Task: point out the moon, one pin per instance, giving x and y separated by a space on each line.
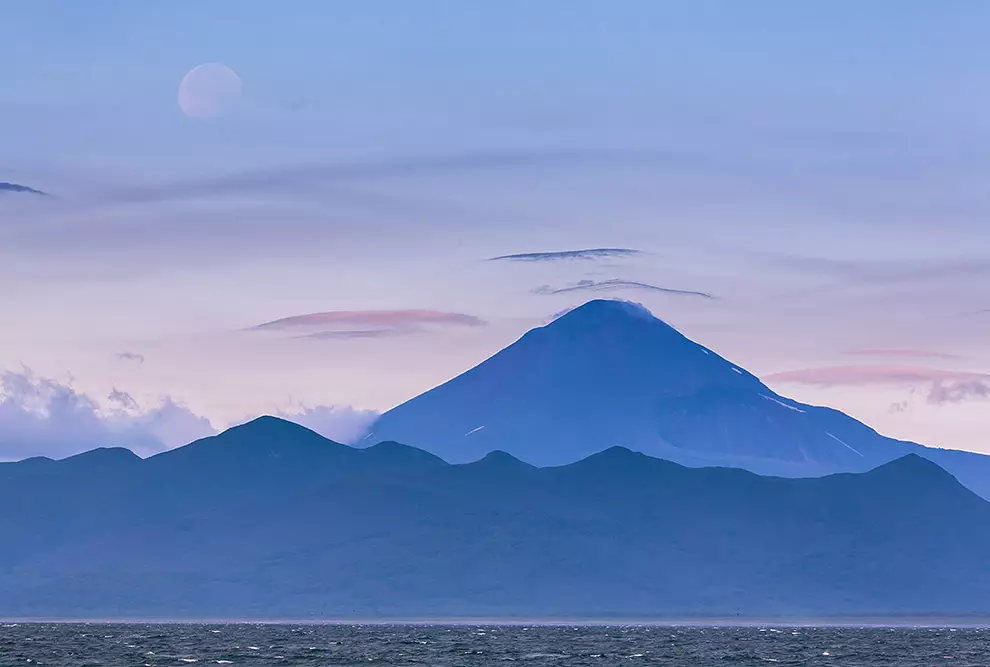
209 90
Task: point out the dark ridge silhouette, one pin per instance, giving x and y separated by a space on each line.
271 520
23 467
912 464
394 452
263 441
101 456
610 373
16 187
501 460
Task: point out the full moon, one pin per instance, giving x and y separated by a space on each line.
208 90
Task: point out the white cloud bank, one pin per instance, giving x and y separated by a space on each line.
340 423
43 417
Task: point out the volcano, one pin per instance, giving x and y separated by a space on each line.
609 373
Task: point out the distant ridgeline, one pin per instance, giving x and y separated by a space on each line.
18 188
270 520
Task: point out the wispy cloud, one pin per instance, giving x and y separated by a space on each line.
901 353
882 271
864 375
956 392
618 284
350 324
130 356
898 407
359 333
377 318
559 255
122 400
16 187
944 386
308 176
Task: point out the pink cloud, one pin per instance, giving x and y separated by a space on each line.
901 353
945 386
865 375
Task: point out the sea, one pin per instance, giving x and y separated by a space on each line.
176 644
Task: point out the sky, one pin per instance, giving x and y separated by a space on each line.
799 186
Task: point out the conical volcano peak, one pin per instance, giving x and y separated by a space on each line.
610 373
604 373
615 320
616 306
609 309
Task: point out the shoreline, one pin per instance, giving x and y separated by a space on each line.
863 622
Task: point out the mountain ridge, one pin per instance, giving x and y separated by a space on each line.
394 532
257 428
17 188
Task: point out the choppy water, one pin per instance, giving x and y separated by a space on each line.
462 645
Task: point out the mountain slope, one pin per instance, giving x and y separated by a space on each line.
394 532
18 188
610 373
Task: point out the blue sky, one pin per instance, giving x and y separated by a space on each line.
820 167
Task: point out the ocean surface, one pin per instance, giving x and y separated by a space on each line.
130 645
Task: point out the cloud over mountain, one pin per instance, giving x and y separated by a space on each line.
43 417
340 423
613 284
559 255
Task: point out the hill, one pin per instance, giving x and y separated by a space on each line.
271 520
